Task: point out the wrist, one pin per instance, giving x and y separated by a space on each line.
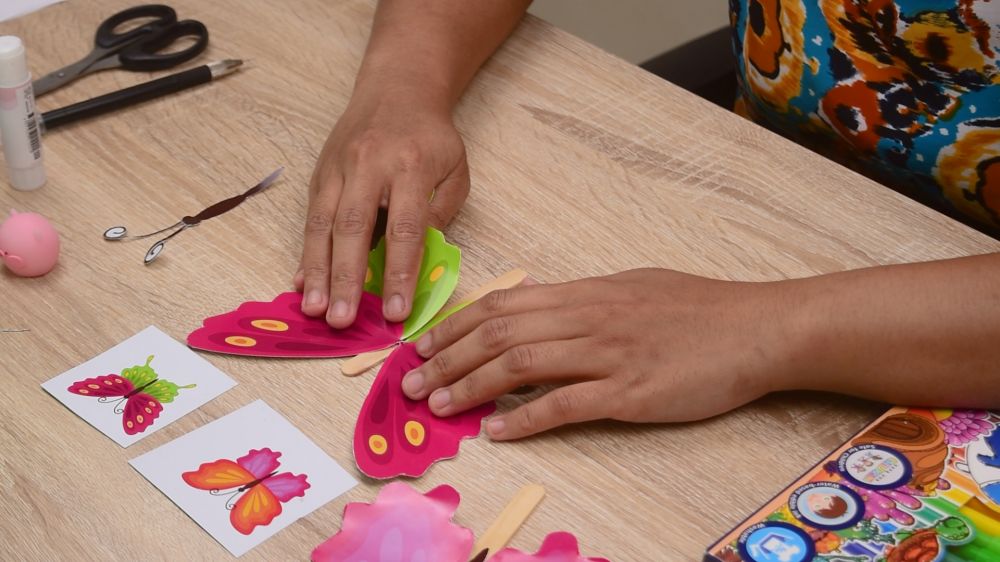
792 312
412 89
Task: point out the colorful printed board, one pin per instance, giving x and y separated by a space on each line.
915 485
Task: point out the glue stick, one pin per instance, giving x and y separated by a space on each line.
22 141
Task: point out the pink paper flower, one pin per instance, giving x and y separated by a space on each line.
402 525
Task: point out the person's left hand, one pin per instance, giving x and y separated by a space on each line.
647 345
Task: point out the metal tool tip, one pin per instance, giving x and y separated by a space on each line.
224 67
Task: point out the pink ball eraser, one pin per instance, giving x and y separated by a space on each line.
29 246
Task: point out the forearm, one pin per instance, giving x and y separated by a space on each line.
429 50
917 334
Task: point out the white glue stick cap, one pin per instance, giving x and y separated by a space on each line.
13 63
27 179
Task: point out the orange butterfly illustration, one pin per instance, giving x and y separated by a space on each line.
259 492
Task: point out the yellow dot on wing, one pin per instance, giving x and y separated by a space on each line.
270 325
368 275
148 410
151 403
241 341
414 432
129 424
109 383
436 273
83 391
92 385
378 444
119 381
139 418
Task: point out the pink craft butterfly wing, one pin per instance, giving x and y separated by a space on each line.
140 411
286 485
401 525
557 547
280 329
396 436
106 385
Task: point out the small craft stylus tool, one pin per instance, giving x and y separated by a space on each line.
118 233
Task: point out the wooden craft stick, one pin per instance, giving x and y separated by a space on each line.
512 278
510 520
364 361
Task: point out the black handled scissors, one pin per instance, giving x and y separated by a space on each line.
136 49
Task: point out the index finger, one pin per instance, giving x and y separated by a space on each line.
494 304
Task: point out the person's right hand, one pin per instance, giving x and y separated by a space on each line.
396 153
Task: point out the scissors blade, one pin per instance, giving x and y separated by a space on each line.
65 75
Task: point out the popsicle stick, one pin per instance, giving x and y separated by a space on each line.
510 279
364 361
510 520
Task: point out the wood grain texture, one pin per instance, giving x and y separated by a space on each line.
581 165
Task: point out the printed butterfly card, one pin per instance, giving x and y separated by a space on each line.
139 386
245 476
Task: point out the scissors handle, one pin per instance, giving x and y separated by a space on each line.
144 53
106 38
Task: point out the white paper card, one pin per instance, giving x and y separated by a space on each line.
253 461
10 9
139 386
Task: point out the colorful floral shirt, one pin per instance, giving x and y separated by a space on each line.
907 91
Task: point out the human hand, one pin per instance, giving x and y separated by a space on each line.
648 345
397 153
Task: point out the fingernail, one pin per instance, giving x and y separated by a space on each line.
424 345
395 305
314 297
339 309
495 427
440 399
413 383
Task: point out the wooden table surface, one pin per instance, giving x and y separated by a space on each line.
581 165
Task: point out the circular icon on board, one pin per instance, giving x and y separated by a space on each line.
775 541
826 505
875 467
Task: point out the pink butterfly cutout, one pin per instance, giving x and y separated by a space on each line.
397 436
403 525
394 435
280 329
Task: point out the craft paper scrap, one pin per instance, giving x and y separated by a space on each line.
10 9
139 386
557 547
245 476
